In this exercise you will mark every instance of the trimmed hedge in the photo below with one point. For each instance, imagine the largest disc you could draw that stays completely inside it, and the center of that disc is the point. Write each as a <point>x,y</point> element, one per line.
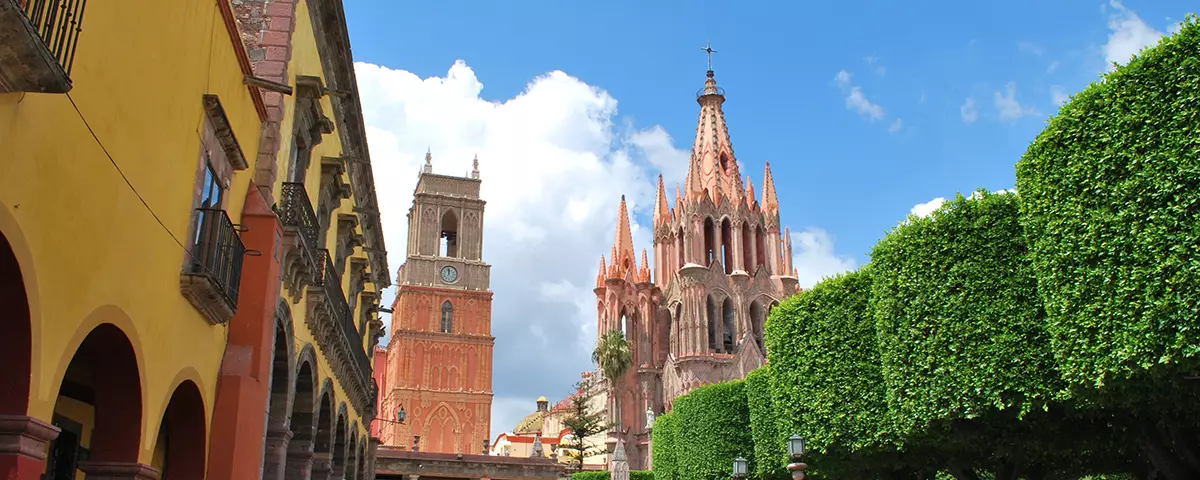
<point>711,431</point>
<point>607,475</point>
<point>960,324</point>
<point>662,444</point>
<point>1111,208</point>
<point>770,452</point>
<point>825,364</point>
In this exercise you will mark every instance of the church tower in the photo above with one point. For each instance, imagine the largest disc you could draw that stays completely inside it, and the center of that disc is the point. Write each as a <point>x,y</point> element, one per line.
<point>439,360</point>
<point>721,262</point>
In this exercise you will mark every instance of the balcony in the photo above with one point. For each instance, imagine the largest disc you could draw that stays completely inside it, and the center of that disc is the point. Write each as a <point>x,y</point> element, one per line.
<point>299,237</point>
<point>335,301</point>
<point>37,44</point>
<point>213,272</point>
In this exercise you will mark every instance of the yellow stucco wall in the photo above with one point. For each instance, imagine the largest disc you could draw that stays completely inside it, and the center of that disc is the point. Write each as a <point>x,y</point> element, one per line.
<point>307,61</point>
<point>90,252</point>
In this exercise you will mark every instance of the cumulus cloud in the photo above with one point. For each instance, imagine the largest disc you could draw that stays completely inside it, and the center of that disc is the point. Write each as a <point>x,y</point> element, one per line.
<point>554,168</point>
<point>924,209</point>
<point>968,111</point>
<point>1129,35</point>
<point>1008,107</point>
<point>857,100</point>
<point>1058,95</point>
<point>814,257</point>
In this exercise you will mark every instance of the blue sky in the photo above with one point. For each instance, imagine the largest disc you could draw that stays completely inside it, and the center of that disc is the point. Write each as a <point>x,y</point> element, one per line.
<point>864,109</point>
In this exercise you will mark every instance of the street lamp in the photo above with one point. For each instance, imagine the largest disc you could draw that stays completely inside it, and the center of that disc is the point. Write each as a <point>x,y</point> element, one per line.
<point>400,415</point>
<point>795,446</point>
<point>739,467</point>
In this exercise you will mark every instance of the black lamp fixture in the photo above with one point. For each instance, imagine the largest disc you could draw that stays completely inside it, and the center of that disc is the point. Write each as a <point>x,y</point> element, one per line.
<point>487,447</point>
<point>795,446</point>
<point>400,415</point>
<point>416,442</point>
<point>740,467</point>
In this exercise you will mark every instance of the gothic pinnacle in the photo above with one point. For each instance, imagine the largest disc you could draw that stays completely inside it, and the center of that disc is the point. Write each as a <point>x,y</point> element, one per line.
<point>749,192</point>
<point>770,202</point>
<point>623,245</point>
<point>475,171</point>
<point>661,210</point>
<point>428,160</point>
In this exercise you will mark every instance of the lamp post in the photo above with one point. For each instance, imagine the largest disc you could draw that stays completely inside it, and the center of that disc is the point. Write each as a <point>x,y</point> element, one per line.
<point>739,468</point>
<point>796,453</point>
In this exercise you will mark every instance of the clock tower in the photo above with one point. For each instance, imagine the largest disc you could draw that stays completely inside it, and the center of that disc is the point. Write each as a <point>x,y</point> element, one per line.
<point>438,365</point>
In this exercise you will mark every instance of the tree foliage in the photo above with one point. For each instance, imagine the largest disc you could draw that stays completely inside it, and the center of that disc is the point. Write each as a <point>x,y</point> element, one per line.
<point>614,356</point>
<point>711,431</point>
<point>583,422</point>
<point>663,446</point>
<point>606,475</point>
<point>770,452</point>
<point>1111,208</point>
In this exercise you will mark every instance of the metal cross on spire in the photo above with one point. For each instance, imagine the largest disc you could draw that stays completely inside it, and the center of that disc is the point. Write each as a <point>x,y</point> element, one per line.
<point>709,50</point>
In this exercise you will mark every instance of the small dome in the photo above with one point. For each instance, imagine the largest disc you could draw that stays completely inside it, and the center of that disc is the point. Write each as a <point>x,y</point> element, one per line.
<point>531,424</point>
<point>541,399</point>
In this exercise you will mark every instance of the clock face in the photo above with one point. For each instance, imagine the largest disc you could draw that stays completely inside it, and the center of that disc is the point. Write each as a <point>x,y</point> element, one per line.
<point>449,274</point>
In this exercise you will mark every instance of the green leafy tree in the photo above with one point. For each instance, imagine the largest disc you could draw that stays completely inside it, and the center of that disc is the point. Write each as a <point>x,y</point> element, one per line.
<point>1111,210</point>
<point>663,444</point>
<point>711,430</point>
<point>962,337</point>
<point>583,422</point>
<point>770,451</point>
<point>614,357</point>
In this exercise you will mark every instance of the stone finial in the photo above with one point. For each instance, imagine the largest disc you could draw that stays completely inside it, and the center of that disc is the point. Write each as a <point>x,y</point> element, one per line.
<point>537,451</point>
<point>475,170</point>
<point>428,161</point>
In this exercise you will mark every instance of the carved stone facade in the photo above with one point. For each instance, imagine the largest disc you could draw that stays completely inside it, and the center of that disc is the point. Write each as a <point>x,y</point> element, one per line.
<point>721,263</point>
<point>439,361</point>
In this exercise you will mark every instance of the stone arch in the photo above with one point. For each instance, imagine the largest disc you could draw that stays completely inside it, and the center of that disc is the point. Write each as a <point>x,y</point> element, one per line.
<point>16,344</point>
<point>281,391</point>
<point>747,248</point>
<point>681,256</point>
<point>323,437</point>
<point>182,433</point>
<point>440,424</point>
<point>728,326</point>
<point>760,247</point>
<point>299,450</point>
<point>352,454</point>
<point>364,459</point>
<point>339,443</point>
<point>758,318</point>
<point>102,374</point>
<point>712,315</point>
<point>727,254</point>
<point>448,238</point>
<point>447,317</point>
<point>709,241</point>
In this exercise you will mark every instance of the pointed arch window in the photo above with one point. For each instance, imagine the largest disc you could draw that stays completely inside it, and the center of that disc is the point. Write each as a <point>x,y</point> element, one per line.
<point>447,317</point>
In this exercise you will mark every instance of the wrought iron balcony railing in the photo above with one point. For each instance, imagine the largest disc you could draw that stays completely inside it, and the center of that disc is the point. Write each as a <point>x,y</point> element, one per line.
<point>329,280</point>
<point>38,39</point>
<point>212,275</point>
<point>296,211</point>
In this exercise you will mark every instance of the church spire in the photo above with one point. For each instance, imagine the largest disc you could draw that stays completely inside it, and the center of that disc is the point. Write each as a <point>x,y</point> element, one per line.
<point>713,161</point>
<point>475,171</point>
<point>662,211</point>
<point>428,161</point>
<point>769,201</point>
<point>749,192</point>
<point>623,256</point>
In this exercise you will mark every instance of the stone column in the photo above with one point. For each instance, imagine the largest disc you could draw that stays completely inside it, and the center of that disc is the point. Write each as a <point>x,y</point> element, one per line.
<point>275,457</point>
<point>23,446</point>
<point>372,448</point>
<point>322,466</point>
<point>118,471</point>
<point>299,460</point>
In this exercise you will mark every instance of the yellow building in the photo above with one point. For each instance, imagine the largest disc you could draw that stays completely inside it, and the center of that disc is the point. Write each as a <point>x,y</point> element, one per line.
<point>192,177</point>
<point>546,430</point>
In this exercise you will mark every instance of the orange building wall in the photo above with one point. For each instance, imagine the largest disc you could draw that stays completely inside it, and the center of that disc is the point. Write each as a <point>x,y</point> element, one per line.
<point>443,381</point>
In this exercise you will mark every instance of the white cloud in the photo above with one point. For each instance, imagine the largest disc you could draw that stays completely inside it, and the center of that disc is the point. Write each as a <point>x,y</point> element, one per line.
<point>554,168</point>
<point>857,100</point>
<point>1009,108</point>
<point>872,62</point>
<point>968,111</point>
<point>896,126</point>
<point>1053,66</point>
<point>1130,34</point>
<point>1030,47</point>
<point>924,209</point>
<point>1058,95</point>
<point>814,257</point>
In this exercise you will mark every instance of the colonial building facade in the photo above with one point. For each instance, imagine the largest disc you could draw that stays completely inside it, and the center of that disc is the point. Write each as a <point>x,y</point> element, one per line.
<point>215,228</point>
<point>721,262</point>
<point>438,364</point>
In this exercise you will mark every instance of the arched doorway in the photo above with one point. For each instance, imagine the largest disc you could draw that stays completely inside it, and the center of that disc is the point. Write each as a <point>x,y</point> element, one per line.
<point>363,459</point>
<point>322,463</point>
<point>300,448</point>
<point>16,344</point>
<point>352,453</point>
<point>179,450</point>
<point>275,448</point>
<point>757,318</point>
<point>728,328</point>
<point>99,407</point>
<point>339,447</point>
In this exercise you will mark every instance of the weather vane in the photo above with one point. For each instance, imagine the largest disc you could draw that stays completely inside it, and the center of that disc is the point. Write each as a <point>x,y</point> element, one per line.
<point>709,50</point>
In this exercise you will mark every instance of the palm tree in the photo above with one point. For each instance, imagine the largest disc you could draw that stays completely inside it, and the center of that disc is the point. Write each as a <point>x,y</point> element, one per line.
<point>614,357</point>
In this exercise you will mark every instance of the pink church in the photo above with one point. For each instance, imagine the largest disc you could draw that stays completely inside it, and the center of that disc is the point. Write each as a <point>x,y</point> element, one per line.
<point>720,265</point>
